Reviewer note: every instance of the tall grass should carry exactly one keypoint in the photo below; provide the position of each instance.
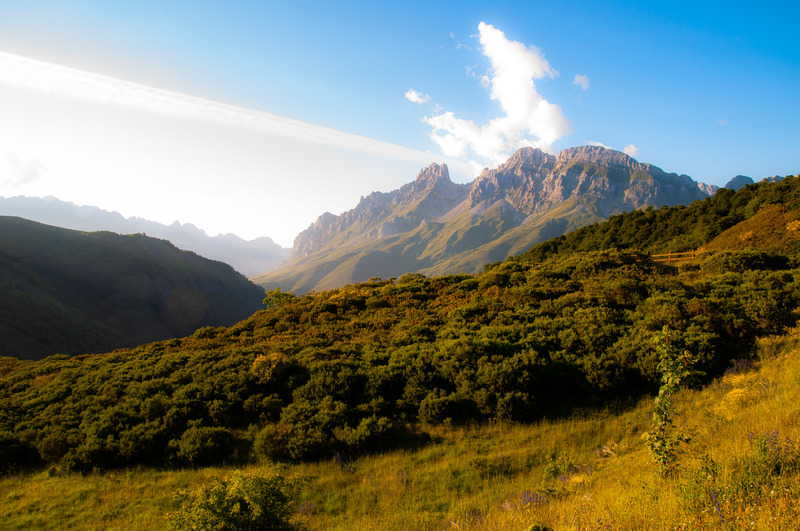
(741, 470)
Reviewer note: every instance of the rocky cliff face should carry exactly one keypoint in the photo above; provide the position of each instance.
(430, 195)
(435, 226)
(530, 183)
(534, 182)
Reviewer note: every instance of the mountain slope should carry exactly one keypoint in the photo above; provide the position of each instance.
(247, 257)
(350, 370)
(435, 226)
(72, 293)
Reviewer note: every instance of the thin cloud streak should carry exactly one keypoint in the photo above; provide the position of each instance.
(68, 82)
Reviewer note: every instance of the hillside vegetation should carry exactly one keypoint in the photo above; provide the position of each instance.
(763, 216)
(354, 369)
(422, 402)
(741, 470)
(70, 292)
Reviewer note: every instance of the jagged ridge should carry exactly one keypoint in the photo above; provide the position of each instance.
(435, 226)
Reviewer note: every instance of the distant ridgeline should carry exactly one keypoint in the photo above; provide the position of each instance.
(69, 292)
(368, 366)
(247, 257)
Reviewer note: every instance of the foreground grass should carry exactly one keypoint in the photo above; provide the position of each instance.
(741, 470)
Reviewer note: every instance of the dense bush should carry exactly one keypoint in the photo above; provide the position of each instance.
(678, 228)
(202, 445)
(238, 502)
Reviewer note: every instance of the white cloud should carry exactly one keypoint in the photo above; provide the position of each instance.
(599, 144)
(460, 45)
(415, 97)
(63, 82)
(631, 150)
(581, 80)
(529, 119)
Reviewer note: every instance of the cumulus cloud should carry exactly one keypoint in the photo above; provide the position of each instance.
(530, 120)
(581, 80)
(415, 97)
(630, 150)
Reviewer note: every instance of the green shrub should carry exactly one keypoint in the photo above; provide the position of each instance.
(204, 445)
(238, 502)
(439, 408)
(270, 442)
(741, 261)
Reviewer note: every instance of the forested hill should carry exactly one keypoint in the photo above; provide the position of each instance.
(369, 365)
(73, 292)
(760, 216)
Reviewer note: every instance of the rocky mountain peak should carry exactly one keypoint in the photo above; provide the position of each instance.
(431, 220)
(528, 155)
(432, 175)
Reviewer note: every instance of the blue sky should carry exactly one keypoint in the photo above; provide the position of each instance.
(703, 88)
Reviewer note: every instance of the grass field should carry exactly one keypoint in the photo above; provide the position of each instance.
(740, 470)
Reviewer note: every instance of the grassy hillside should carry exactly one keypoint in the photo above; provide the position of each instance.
(73, 292)
(591, 471)
(354, 370)
(494, 401)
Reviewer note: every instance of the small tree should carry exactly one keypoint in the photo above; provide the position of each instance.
(676, 368)
(238, 502)
(276, 297)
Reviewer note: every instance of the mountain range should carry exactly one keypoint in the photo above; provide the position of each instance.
(71, 292)
(434, 226)
(247, 257)
(431, 225)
